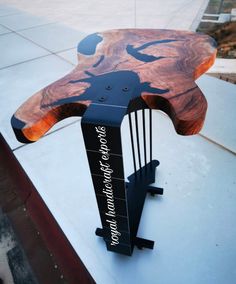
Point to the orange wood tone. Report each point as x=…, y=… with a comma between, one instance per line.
x=165, y=60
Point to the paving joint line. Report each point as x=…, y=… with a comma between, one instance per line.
x=22, y=62
x=197, y=20
x=29, y=28
x=61, y=57
x=207, y=138
x=178, y=10
x=56, y=130
x=17, y=13
x=52, y=52
x=217, y=144
x=5, y=33
x=39, y=57
x=48, y=50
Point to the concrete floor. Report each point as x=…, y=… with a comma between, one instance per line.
x=193, y=224
x=95, y=15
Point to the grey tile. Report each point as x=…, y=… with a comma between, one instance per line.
x=15, y=49
x=7, y=10
x=151, y=21
x=193, y=224
x=3, y=30
x=170, y=15
x=54, y=37
x=223, y=66
x=20, y=82
x=103, y=21
x=150, y=14
x=220, y=123
x=22, y=21
x=91, y=16
x=70, y=55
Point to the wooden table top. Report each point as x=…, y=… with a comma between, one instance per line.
x=162, y=64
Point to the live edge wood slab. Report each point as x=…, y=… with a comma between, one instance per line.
x=162, y=64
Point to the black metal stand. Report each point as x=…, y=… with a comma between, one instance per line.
x=137, y=188
x=120, y=203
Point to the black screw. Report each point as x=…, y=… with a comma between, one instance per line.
x=125, y=89
x=102, y=99
x=108, y=87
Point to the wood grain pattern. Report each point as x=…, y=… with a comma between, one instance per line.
x=166, y=61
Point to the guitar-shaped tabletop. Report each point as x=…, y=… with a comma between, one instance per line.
x=154, y=69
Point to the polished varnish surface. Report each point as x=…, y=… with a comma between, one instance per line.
x=163, y=63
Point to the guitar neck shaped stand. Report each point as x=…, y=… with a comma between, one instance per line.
x=121, y=72
x=120, y=203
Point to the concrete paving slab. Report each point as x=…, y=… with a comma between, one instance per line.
x=152, y=14
x=82, y=15
x=172, y=15
x=15, y=49
x=20, y=82
x=106, y=8
x=221, y=116
x=7, y=10
x=105, y=19
x=186, y=14
x=90, y=16
x=54, y=37
x=224, y=66
x=22, y=21
x=4, y=30
x=153, y=21
x=193, y=224
x=70, y=55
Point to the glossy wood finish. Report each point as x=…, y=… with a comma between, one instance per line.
x=166, y=61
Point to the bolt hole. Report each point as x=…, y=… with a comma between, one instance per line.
x=102, y=99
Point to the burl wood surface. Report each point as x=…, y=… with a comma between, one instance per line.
x=166, y=61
